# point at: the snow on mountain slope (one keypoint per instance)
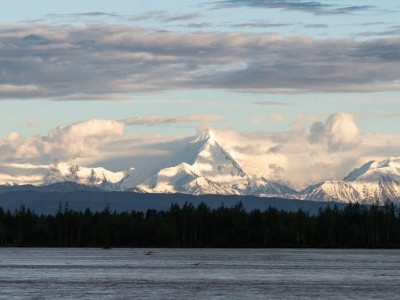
(388, 169)
(87, 176)
(202, 166)
(168, 180)
(374, 181)
(259, 186)
(22, 174)
(336, 190)
(205, 167)
(213, 162)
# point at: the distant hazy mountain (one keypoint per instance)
(61, 187)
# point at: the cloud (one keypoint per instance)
(77, 140)
(301, 121)
(161, 120)
(277, 117)
(326, 149)
(272, 103)
(81, 139)
(84, 15)
(10, 89)
(89, 139)
(114, 61)
(164, 16)
(313, 7)
(277, 171)
(275, 149)
(261, 24)
(197, 25)
(316, 26)
(157, 15)
(258, 119)
(13, 136)
(394, 31)
(31, 123)
(392, 115)
(183, 17)
(338, 132)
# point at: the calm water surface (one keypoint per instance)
(198, 274)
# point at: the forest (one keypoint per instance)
(354, 226)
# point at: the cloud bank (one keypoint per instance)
(159, 120)
(114, 61)
(78, 140)
(313, 7)
(307, 154)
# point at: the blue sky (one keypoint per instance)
(262, 65)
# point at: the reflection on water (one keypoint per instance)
(198, 273)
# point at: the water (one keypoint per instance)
(35, 273)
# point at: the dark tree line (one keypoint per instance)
(188, 226)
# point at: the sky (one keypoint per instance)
(94, 81)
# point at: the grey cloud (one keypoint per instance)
(390, 32)
(34, 39)
(313, 7)
(164, 16)
(351, 9)
(371, 23)
(387, 50)
(316, 26)
(277, 170)
(331, 65)
(31, 123)
(161, 16)
(85, 14)
(183, 17)
(339, 132)
(317, 132)
(275, 150)
(395, 115)
(114, 61)
(159, 120)
(261, 24)
(272, 103)
(197, 25)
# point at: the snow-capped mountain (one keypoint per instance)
(202, 166)
(388, 169)
(374, 181)
(259, 186)
(205, 167)
(42, 175)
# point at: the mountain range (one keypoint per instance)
(203, 166)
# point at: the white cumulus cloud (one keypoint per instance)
(338, 132)
(328, 149)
